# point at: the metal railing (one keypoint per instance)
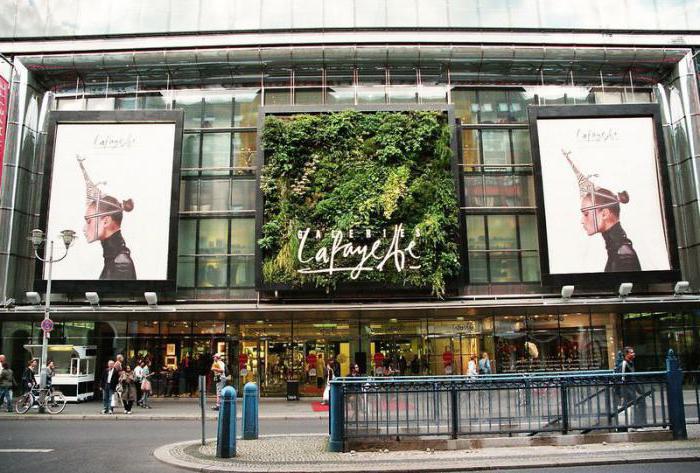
(526, 404)
(691, 396)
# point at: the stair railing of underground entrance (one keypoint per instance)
(522, 404)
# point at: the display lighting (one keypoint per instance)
(151, 298)
(33, 297)
(567, 292)
(625, 289)
(93, 298)
(681, 288)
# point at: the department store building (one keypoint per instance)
(223, 63)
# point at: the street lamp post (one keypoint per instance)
(37, 238)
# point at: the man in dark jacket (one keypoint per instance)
(108, 384)
(7, 382)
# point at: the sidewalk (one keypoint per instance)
(303, 453)
(184, 408)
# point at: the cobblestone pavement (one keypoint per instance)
(307, 453)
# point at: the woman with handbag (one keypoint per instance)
(126, 381)
(146, 385)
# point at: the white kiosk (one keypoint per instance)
(75, 369)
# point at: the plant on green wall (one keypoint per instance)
(354, 178)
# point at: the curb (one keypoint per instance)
(164, 455)
(122, 417)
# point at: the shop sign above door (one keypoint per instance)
(365, 256)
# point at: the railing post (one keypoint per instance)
(676, 409)
(226, 434)
(454, 403)
(250, 411)
(564, 409)
(336, 418)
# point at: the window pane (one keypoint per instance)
(493, 106)
(123, 103)
(518, 105)
(188, 195)
(341, 95)
(531, 266)
(470, 148)
(187, 237)
(190, 153)
(466, 106)
(213, 236)
(193, 111)
(243, 236)
(521, 147)
(402, 94)
(154, 102)
(371, 94)
(504, 267)
(496, 146)
(511, 190)
(185, 271)
(473, 190)
(217, 112)
(478, 269)
(216, 152)
(528, 232)
(277, 97)
(502, 232)
(243, 195)
(245, 109)
(244, 147)
(214, 195)
(211, 272)
(476, 233)
(308, 96)
(433, 94)
(242, 271)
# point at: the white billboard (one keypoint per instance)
(112, 184)
(603, 201)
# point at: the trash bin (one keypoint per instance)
(292, 390)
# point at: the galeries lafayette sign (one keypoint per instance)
(346, 255)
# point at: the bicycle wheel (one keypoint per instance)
(55, 402)
(24, 403)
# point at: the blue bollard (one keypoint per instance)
(676, 409)
(336, 418)
(250, 411)
(226, 433)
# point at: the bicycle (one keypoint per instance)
(53, 401)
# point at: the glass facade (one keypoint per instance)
(292, 347)
(217, 196)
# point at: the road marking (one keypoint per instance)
(26, 450)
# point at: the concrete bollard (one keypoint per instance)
(250, 411)
(226, 433)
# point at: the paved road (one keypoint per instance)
(127, 446)
(110, 446)
(688, 467)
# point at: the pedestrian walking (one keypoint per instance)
(485, 364)
(146, 386)
(7, 382)
(472, 367)
(128, 389)
(330, 374)
(218, 370)
(108, 384)
(633, 395)
(28, 377)
(138, 379)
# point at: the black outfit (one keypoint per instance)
(118, 263)
(112, 382)
(28, 379)
(621, 255)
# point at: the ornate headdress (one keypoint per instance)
(600, 198)
(94, 195)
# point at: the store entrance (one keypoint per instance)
(451, 354)
(396, 355)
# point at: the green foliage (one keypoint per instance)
(359, 171)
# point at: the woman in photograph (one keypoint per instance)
(103, 221)
(600, 213)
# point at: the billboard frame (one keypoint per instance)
(146, 117)
(354, 287)
(573, 112)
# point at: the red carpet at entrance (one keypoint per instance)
(318, 407)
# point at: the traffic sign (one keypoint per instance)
(47, 325)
